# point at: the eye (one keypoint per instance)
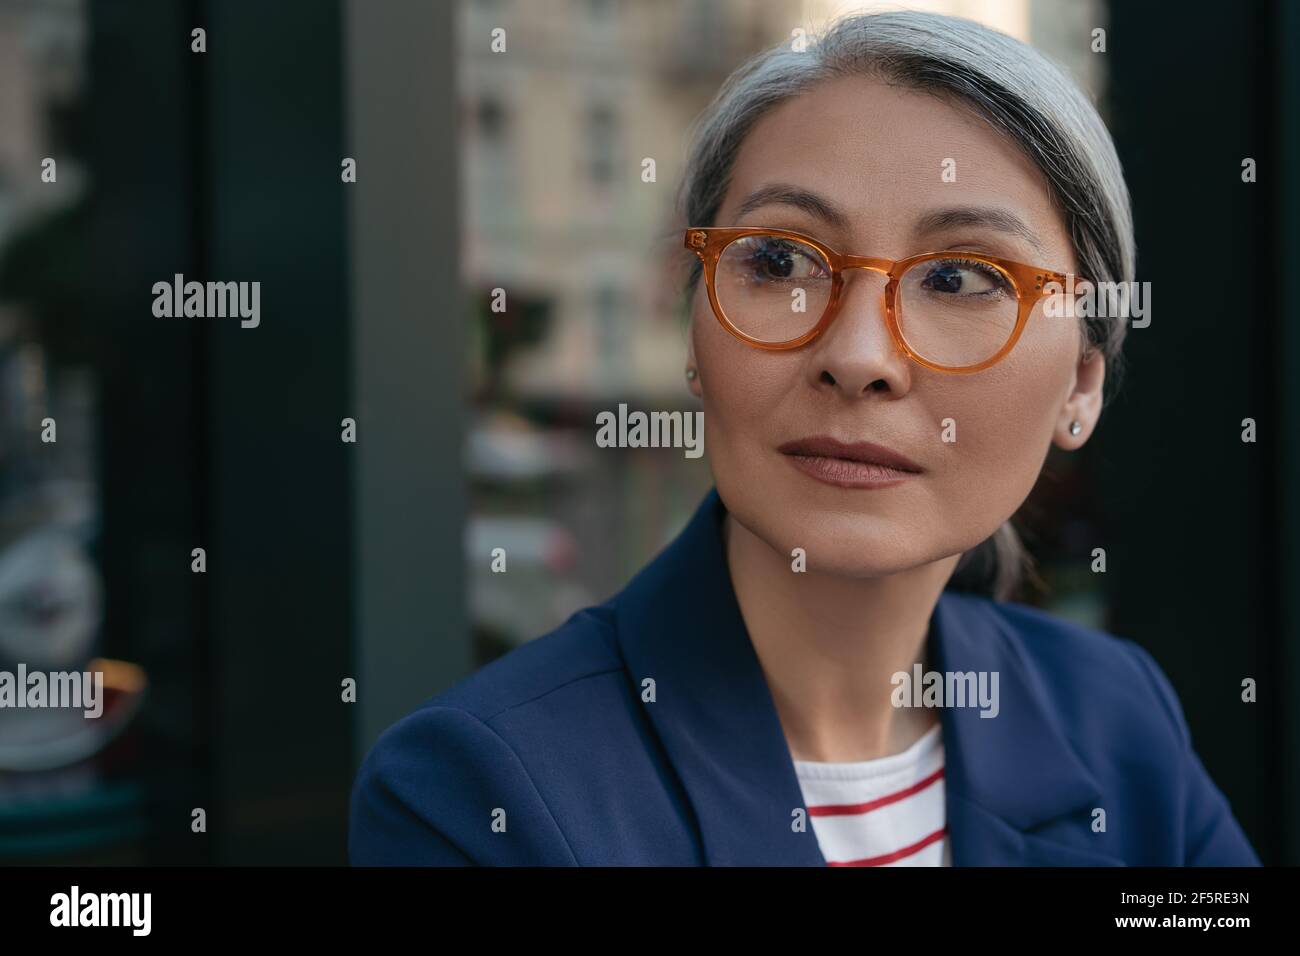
(963, 277)
(771, 259)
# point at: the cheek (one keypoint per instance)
(1005, 416)
(744, 390)
(742, 385)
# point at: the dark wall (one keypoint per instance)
(224, 166)
(142, 226)
(1196, 543)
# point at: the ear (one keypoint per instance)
(693, 383)
(1083, 405)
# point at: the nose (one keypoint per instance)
(856, 355)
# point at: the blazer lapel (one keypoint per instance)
(679, 625)
(1006, 775)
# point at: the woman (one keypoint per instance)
(805, 676)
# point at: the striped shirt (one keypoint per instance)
(883, 812)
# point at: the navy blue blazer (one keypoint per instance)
(549, 756)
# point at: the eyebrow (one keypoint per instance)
(988, 217)
(785, 194)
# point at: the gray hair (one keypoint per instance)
(1017, 90)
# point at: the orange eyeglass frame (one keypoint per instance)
(1030, 283)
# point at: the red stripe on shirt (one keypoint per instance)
(906, 851)
(843, 809)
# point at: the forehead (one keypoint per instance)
(880, 152)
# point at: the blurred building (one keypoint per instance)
(556, 131)
(42, 52)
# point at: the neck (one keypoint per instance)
(829, 644)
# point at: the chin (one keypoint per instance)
(866, 553)
(849, 544)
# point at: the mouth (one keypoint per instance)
(849, 464)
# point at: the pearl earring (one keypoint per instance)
(1075, 427)
(690, 374)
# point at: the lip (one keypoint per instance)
(849, 464)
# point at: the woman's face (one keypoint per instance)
(874, 155)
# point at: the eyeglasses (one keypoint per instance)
(948, 311)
